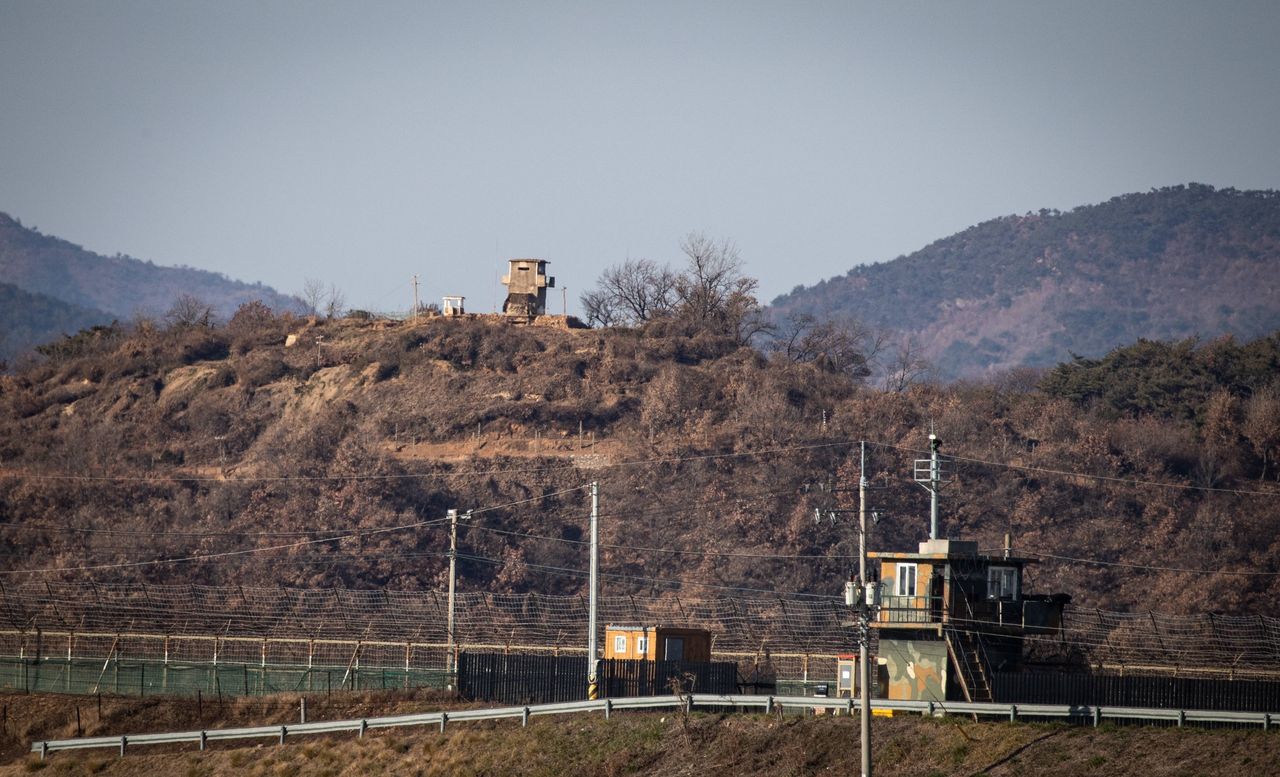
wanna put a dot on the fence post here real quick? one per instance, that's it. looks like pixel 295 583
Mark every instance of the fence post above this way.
pixel 608 708
pixel 204 740
pixel 364 726
pixel 524 717
pixel 1097 716
pixel 768 705
pixel 1182 717
pixel 1013 713
pixel 283 730
pixel 123 742
pixel 303 711
pixel 444 718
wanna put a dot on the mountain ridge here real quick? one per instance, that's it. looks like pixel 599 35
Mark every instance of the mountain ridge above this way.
pixel 1035 289
pixel 119 286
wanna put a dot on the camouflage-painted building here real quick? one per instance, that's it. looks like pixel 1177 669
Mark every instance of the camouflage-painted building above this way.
pixel 951 615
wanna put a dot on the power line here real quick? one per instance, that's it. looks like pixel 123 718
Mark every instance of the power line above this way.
pixel 1089 476
pixel 302 543
pixel 654 580
pixel 1149 568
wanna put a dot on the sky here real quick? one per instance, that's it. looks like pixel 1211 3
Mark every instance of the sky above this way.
pixel 360 144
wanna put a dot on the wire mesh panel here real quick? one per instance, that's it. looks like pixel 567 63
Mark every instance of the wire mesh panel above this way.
pixel 772 639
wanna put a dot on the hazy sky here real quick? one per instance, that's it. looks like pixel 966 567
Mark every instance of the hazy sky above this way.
pixel 360 143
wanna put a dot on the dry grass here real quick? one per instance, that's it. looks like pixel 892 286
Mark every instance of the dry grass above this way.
pixel 703 745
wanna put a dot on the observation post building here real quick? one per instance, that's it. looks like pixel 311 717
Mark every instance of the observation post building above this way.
pixel 527 283
pixel 951 616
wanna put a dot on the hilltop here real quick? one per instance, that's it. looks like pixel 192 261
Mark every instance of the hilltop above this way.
pixel 130 444
pixel 1033 290
pixel 68 288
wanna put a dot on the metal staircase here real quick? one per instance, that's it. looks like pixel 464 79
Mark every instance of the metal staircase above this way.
pixel 969 657
pixel 969 660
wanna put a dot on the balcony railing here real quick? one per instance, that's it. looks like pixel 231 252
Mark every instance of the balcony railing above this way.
pixel 910 609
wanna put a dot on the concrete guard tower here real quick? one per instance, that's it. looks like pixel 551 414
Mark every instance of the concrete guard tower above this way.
pixel 527 283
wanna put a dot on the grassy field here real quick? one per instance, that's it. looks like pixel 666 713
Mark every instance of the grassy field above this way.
pixel 585 746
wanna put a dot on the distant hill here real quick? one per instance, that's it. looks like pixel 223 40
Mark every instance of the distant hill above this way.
pixel 118 286
pixel 27 319
pixel 1032 290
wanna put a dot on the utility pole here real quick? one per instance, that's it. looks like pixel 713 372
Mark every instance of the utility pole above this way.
pixel 864 626
pixel 449 668
pixel 593 584
pixel 415 298
pixel 564 300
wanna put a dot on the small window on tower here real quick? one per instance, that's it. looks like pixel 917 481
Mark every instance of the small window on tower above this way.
pixel 1002 583
pixel 905 583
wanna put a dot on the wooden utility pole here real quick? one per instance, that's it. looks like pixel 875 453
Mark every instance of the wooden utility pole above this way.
pixel 415 298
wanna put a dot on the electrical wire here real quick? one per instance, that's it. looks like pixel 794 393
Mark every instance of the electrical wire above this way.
pixel 248 551
pixel 1071 474
pixel 653 580
pixel 1149 568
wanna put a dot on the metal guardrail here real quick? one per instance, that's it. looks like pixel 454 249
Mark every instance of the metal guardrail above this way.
pixel 768 704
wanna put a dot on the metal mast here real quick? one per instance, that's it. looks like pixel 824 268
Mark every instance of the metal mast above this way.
pixel 929 474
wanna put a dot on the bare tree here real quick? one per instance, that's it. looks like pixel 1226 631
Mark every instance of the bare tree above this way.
pixel 189 310
pixel 334 302
pixel 713 294
pixel 907 366
pixel 1262 425
pixel 642 289
pixel 313 292
pixel 600 308
pixel 838 345
pixel 710 295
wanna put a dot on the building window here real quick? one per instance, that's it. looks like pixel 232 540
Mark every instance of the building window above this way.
pixel 1002 583
pixel 905 582
pixel 642 645
pixel 620 644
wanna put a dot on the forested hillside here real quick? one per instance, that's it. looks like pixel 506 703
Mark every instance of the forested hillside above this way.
pixel 119 286
pixel 1032 290
pixel 1146 478
pixel 28 319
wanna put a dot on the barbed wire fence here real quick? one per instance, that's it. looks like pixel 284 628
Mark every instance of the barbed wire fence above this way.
pixel 257 640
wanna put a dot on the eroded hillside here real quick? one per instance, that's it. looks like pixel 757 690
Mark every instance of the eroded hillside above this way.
pixel 242 454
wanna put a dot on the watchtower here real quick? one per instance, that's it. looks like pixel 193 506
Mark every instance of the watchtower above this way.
pixel 950 614
pixel 527 283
